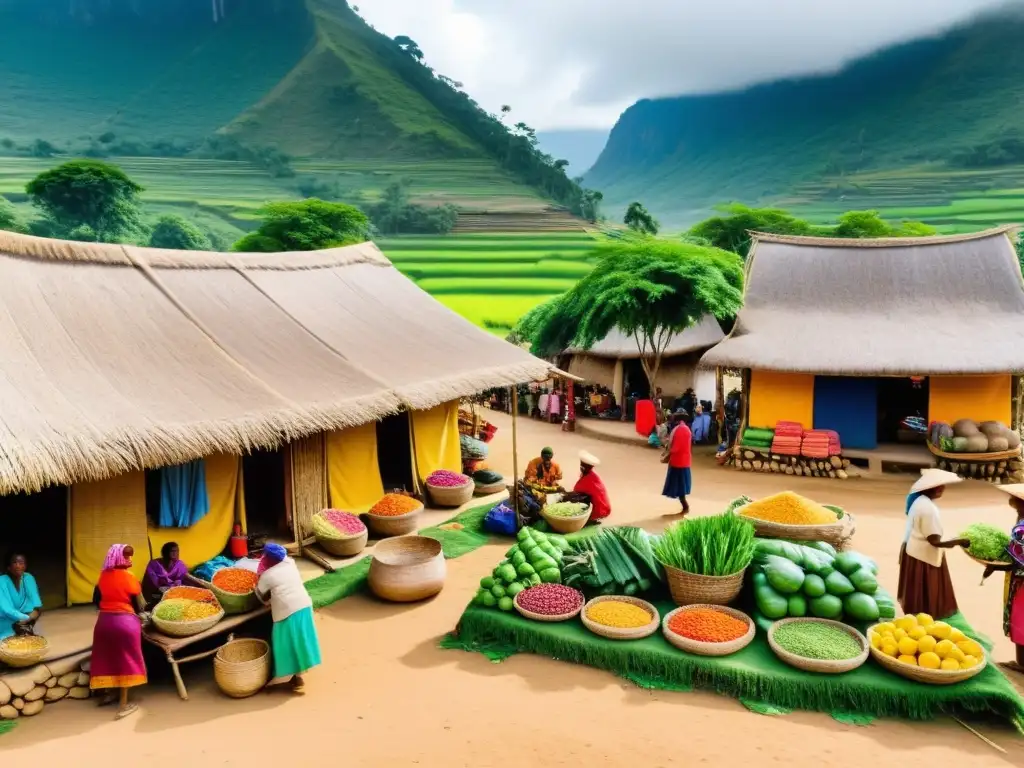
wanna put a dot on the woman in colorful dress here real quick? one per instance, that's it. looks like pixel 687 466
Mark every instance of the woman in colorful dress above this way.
pixel 20 605
pixel 296 648
pixel 117 662
pixel 678 455
pixel 162 573
pixel 925 585
pixel 1013 602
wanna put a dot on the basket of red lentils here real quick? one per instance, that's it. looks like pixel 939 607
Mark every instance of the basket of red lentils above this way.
pixel 395 515
pixel 708 630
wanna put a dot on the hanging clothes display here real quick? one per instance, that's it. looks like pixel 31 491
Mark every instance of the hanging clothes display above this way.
pixel 184 500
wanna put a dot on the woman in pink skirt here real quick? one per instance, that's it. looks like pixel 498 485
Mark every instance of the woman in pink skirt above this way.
pixel 1013 610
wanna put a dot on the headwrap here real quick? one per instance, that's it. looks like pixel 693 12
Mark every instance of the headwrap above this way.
pixel 272 555
pixel 545 451
pixel 1015 549
pixel 911 498
pixel 115 558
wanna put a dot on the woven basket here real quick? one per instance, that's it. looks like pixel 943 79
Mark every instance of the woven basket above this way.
pixel 395 525
pixel 700 648
pixel 487 490
pixel 693 589
pixel 346 547
pixel 821 666
pixel 615 633
pixel 13 658
pixel 544 616
pixel 231 603
pixel 1013 453
pixel 186 628
pixel 242 667
pixel 928 676
pixel 443 496
pixel 833 533
pixel 567 524
pixel 407 569
pixel 986 563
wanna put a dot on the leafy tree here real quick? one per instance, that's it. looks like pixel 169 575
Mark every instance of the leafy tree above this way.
pixel 88 193
pixel 731 232
pixel 640 220
pixel 9 219
pixel 650 289
pixel 397 214
pixel 858 224
pixel 180 234
pixel 1020 250
pixel 587 205
pixel 307 225
pixel 409 45
pixel 42 148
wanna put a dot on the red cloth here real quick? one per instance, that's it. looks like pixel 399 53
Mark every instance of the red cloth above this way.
pixel 117 588
pixel 593 486
pixel 645 419
pixel 680 447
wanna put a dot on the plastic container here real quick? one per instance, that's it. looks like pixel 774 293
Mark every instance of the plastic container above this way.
pixel 238 544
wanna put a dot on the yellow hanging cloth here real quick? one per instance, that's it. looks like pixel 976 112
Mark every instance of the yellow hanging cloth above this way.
pixel 353 475
pixel 436 437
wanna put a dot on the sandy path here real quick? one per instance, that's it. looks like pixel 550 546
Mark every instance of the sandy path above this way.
pixel 387 696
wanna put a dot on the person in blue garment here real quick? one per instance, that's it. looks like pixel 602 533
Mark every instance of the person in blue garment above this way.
pixel 20 605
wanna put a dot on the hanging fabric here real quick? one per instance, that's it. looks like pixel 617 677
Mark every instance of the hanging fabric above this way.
pixel 184 500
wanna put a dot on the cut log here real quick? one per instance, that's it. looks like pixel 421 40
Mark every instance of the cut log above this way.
pixel 841 474
pixel 836 462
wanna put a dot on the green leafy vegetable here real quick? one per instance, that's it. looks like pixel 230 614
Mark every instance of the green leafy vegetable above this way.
pixel 987 542
pixel 717 545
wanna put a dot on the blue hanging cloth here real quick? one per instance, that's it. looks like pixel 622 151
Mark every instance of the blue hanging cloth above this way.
pixel 183 497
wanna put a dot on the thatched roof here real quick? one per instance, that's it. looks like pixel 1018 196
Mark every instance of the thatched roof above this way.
pixel 114 358
pixel 617 344
pixel 889 307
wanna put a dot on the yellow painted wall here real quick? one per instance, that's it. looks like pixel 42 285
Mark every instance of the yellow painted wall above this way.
pixel 781 397
pixel 982 398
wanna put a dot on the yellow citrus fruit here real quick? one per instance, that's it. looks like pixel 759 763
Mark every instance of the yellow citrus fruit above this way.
pixel 917 633
pixel 876 640
pixel 949 664
pixel 908 646
pixel 943 647
pixel 885 628
pixel 970 648
pixel 940 630
pixel 956 635
pixel 899 634
pixel 906 623
pixel 956 653
pixel 907 659
pixel 968 662
pixel 889 648
pixel 924 620
pixel 929 661
pixel 926 644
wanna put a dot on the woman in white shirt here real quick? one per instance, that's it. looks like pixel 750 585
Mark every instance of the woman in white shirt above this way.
pixel 925 585
pixel 295 645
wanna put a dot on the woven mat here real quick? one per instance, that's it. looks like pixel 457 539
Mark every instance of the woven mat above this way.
pixel 754 675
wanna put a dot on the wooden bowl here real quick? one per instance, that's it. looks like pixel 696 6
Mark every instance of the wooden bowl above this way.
pixel 407 569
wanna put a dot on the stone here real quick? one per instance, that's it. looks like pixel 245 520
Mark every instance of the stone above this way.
pixel 799 470
pixel 61 667
pixel 832 474
pixel 36 693
pixel 747 465
pixel 19 683
pixel 69 680
pixel 790 470
pixel 87 664
pixel 51 683
pixel 836 462
pixel 18 704
pixel 55 694
pixel 749 455
pixel 774 465
pixel 83 679
pixel 78 692
pixel 33 708
pixel 5 694
pixel 757 465
pixel 7 712
pixel 841 474
pixel 40 674
pixel 990 469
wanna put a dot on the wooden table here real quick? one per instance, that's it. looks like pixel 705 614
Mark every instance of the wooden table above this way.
pixel 171 645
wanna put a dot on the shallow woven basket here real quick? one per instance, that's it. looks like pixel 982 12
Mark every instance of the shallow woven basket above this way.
pixel 231 602
pixel 395 525
pixel 833 533
pixel 701 648
pixel 544 616
pixel 242 667
pixel 186 628
pixel 986 563
pixel 407 569
pixel 616 633
pixel 487 490
pixel 928 676
pixel 14 658
pixel 444 496
pixel 568 524
pixel 821 666
pixel 692 588
pixel 346 547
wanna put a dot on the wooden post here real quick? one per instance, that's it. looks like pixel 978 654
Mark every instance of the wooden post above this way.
pixel 515 455
pixel 720 402
pixel 67 553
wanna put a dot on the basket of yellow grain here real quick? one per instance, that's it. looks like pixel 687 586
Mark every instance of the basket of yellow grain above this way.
pixel 23 650
pixel 619 617
pixel 789 515
pixel 184 617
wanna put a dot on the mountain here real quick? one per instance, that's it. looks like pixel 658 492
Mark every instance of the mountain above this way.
pixel 919 125
pixel 580 147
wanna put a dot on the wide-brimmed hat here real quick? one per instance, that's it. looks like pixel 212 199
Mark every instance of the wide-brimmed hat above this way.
pixel 934 478
pixel 589 459
pixel 1014 489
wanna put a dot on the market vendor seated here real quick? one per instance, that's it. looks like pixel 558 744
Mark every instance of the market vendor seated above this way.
pixel 162 573
pixel 543 473
pixel 592 487
pixel 20 605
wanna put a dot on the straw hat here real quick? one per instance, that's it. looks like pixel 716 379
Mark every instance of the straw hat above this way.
pixel 589 459
pixel 1014 489
pixel 934 478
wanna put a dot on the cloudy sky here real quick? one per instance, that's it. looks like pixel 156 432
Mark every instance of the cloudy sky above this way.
pixel 579 63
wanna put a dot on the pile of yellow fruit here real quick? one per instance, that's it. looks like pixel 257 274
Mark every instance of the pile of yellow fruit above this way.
pixel 923 642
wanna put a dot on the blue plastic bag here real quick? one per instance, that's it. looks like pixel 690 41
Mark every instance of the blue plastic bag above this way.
pixel 501 520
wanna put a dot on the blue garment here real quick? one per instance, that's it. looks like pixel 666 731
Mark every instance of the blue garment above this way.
pixel 701 427
pixel 501 519
pixel 678 482
pixel 183 497
pixel 911 498
pixel 17 604
pixel 210 567
pixel 294 644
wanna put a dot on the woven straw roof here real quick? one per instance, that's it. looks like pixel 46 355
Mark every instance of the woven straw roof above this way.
pixel 114 358
pixel 617 344
pixel 894 307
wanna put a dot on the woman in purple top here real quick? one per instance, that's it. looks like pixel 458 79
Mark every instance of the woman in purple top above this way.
pixel 163 573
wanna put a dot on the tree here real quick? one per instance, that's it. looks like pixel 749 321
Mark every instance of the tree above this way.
pixel 1020 250
pixel 179 234
pixel 860 224
pixel 9 219
pixel 91 194
pixel 308 225
pixel 640 220
pixel 731 232
pixel 650 289
pixel 409 45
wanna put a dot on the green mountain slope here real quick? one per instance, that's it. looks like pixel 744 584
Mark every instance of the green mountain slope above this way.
pixel 946 109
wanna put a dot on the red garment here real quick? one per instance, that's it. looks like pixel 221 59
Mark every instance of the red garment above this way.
pixel 593 486
pixel 645 418
pixel 117 588
pixel 680 447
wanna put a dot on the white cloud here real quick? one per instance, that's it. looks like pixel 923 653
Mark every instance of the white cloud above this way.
pixel 579 63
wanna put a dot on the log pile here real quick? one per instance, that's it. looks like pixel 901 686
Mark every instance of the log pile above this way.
pixel 1004 471
pixel 754 460
pixel 26 692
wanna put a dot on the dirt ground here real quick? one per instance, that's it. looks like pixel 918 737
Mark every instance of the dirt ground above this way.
pixel 387 696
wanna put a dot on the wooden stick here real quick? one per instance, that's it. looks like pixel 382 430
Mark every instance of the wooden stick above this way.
pixel 515 455
pixel 983 738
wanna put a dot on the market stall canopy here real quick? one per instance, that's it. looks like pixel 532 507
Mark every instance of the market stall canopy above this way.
pixel 706 333
pixel 115 358
pixel 884 307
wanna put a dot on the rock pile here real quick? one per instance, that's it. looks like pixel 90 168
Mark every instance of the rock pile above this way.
pixel 25 692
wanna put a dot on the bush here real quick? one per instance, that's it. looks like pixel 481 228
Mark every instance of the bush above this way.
pixel 177 233
pixel 305 226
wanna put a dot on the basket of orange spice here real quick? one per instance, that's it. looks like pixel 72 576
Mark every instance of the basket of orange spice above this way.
pixel 234 588
pixel 708 630
pixel 396 514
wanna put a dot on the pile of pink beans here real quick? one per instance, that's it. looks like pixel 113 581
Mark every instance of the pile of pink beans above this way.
pixel 444 478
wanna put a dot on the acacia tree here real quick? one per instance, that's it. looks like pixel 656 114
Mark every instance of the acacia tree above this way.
pixel 649 289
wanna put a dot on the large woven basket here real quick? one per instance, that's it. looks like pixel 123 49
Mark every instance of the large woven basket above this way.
pixel 550 618
pixel 924 675
pixel 346 547
pixel 701 648
pixel 395 525
pixel 15 658
pixel 821 666
pixel 833 533
pixel 444 496
pixel 568 524
pixel 616 633
pixel 186 628
pixel 487 490
pixel 693 589
pixel 407 569
pixel 242 667
pixel 231 602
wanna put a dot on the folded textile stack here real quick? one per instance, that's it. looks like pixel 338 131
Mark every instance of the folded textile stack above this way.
pixel 788 437
pixel 757 437
pixel 820 444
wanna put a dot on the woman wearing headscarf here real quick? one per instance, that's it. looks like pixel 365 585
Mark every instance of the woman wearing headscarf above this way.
pixel 163 572
pixel 117 637
pixel 1013 602
pixel 925 585
pixel 20 605
pixel 295 645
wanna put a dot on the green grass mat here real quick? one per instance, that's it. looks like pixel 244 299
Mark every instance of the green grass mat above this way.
pixel 6 726
pixel 753 675
pixel 332 587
